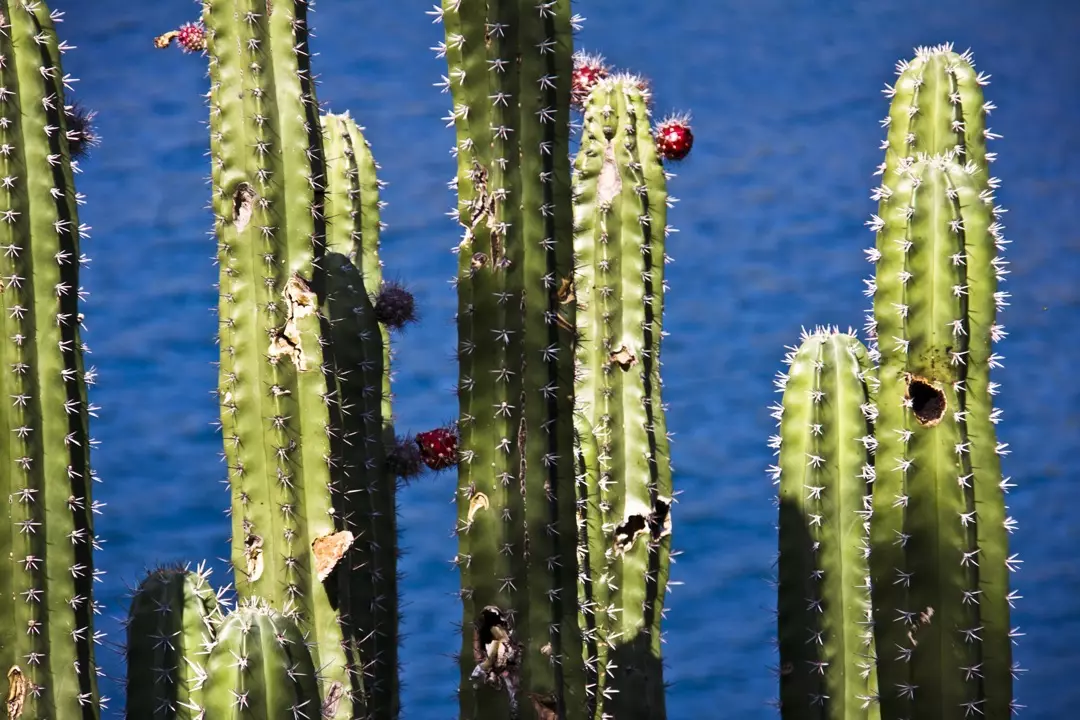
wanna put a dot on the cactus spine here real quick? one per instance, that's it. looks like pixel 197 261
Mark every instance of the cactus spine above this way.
pixel 47 537
pixel 269 182
pixel 626 491
pixel 171 628
pixel 260 668
pixel 939 485
pixel 509 74
pixel 825 473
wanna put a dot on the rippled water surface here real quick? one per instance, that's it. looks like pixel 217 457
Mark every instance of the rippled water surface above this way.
pixel 786 102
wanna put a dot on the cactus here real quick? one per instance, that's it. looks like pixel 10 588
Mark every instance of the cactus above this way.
pixel 359 359
pixel 510 65
pixel 941 591
pixel 171 628
pixel 269 179
pixel 825 472
pixel 260 668
pixel 47 538
pixel 625 494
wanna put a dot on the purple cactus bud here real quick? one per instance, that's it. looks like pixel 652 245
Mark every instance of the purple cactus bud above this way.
pixel 80 130
pixel 395 306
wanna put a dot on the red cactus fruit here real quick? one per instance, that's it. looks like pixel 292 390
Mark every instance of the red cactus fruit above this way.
pixel 191 37
pixel 674 138
pixel 588 70
pixel 438 448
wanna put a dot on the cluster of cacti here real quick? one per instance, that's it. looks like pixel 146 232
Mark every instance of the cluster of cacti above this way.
pixel 925 515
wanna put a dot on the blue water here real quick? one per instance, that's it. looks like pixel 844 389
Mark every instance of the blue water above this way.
pixel 786 101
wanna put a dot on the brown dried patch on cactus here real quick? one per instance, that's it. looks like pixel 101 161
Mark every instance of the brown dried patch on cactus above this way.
pixel 328 550
pixel 18 689
pixel 623 357
pixel 545 706
pixel 300 302
pixel 243 206
pixel 926 400
pixel 253 557
pixel 333 699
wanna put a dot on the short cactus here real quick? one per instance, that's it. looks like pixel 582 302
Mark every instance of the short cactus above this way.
pixel 171 627
pixel 625 483
pixel 47 637
pixel 825 472
pixel 260 668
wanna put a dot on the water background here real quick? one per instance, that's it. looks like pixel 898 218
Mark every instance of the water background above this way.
pixel 786 100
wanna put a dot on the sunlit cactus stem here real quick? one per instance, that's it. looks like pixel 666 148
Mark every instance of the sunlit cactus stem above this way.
pixel 825 475
pixel 509 74
pixel 261 668
pixel 940 556
pixel 360 310
pixel 47 637
pixel 269 180
pixel 620 197
pixel 171 627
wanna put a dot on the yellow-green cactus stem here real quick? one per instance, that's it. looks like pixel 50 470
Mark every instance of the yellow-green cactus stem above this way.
pixel 509 74
pixel 47 664
pixel 825 473
pixel 939 532
pixel 359 356
pixel 171 627
pixel 260 668
pixel 620 206
pixel 269 178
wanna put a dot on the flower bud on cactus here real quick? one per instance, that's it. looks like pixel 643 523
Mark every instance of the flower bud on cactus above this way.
pixel 403 458
pixel 674 139
pixel 438 448
pixel 395 306
pixel 81 135
pixel 588 70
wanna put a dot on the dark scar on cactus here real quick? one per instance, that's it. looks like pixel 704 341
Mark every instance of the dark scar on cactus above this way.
pixel 928 402
pixel 328 551
pixel 655 525
pixel 495 651
pixel 253 558
pixel 17 691
pixel 300 302
pixel 623 357
pixel 243 206
pixel 545 706
pixel 333 699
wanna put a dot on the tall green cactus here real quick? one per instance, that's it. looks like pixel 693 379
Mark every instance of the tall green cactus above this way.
pixel 825 472
pixel 47 636
pixel 620 198
pixel 171 628
pixel 261 668
pixel 940 550
pixel 269 180
pixel 509 74
pixel 357 308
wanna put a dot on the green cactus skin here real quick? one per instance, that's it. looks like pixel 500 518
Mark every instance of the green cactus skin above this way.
pixel 940 559
pixel 620 225
pixel 360 358
pixel 47 666
pixel 825 472
pixel 260 668
pixel 509 72
pixel 268 175
pixel 171 627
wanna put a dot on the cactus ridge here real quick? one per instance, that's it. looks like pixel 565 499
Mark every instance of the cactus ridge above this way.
pixel 47 663
pixel 171 627
pixel 825 474
pixel 621 199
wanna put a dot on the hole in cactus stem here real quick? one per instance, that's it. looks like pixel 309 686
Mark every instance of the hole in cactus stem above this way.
pixel 623 357
pixel 300 302
pixel 253 557
pixel 243 206
pixel 927 401
pixel 657 524
pixel 328 550
pixel 545 706
pixel 495 651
